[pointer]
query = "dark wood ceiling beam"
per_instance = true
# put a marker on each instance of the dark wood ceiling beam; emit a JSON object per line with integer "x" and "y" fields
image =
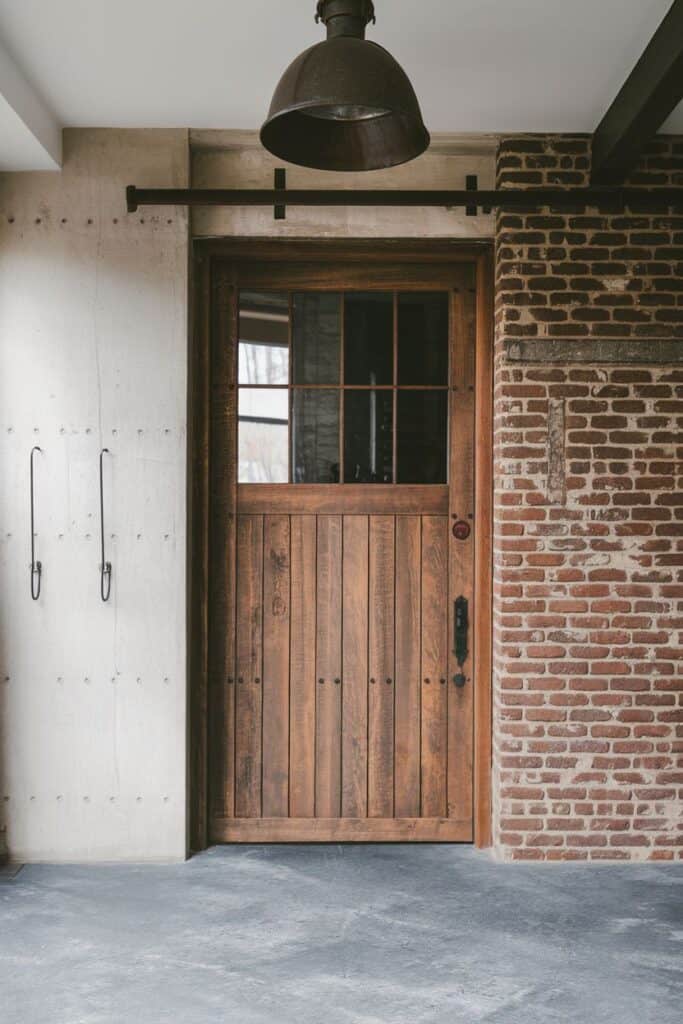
{"x": 648, "y": 96}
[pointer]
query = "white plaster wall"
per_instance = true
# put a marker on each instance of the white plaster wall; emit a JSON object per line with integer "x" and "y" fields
{"x": 93, "y": 353}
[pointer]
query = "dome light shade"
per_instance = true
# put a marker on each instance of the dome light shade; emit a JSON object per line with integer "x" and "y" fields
{"x": 345, "y": 104}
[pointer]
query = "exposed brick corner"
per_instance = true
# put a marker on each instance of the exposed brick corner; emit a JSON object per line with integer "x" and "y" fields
{"x": 588, "y": 590}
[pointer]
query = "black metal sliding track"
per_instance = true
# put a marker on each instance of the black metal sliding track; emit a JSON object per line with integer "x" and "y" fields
{"x": 509, "y": 199}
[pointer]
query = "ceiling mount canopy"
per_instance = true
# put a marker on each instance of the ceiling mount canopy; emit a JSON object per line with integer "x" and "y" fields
{"x": 345, "y": 104}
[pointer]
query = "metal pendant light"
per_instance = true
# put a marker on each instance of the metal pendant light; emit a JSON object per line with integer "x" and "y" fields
{"x": 345, "y": 104}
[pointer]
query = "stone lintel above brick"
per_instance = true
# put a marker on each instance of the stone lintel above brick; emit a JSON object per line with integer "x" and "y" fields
{"x": 594, "y": 351}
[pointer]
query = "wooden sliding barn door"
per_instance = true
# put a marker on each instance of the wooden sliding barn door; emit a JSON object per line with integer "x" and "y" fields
{"x": 341, "y": 562}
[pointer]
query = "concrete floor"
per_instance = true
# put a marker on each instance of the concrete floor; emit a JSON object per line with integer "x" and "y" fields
{"x": 342, "y": 935}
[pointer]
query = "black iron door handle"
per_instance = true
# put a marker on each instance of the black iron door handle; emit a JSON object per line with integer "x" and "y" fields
{"x": 461, "y": 631}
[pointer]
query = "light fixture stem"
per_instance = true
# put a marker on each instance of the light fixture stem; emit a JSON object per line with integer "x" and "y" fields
{"x": 345, "y": 17}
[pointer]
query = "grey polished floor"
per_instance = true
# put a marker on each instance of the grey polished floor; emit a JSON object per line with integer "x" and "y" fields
{"x": 342, "y": 935}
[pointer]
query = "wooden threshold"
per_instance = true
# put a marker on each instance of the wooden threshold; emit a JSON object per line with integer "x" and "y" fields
{"x": 342, "y": 499}
{"x": 340, "y": 830}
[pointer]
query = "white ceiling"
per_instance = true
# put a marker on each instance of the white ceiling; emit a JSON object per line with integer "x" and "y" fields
{"x": 477, "y": 65}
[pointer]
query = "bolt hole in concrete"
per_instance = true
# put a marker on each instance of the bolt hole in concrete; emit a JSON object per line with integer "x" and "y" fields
{"x": 343, "y": 934}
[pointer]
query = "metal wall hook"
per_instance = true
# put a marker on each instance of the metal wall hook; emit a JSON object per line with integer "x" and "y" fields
{"x": 36, "y": 567}
{"x": 105, "y": 567}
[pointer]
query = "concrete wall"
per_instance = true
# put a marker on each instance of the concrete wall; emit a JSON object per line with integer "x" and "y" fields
{"x": 93, "y": 342}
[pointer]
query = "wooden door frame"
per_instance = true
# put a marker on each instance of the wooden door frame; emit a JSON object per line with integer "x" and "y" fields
{"x": 205, "y": 254}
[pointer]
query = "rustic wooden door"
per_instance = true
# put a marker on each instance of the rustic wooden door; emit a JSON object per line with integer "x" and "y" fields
{"x": 341, "y": 552}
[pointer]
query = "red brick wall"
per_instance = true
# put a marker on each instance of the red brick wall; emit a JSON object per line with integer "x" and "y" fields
{"x": 588, "y": 603}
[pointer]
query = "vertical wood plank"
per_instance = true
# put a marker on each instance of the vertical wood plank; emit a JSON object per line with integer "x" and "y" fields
{"x": 434, "y": 719}
{"x": 199, "y": 507}
{"x": 355, "y": 662}
{"x": 276, "y": 601}
{"x": 461, "y": 558}
{"x": 302, "y": 667}
{"x": 407, "y": 683}
{"x": 328, "y": 668}
{"x": 223, "y": 500}
{"x": 381, "y": 668}
{"x": 483, "y": 585}
{"x": 248, "y": 696}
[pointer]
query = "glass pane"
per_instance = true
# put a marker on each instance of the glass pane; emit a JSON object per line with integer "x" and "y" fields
{"x": 264, "y": 338}
{"x": 369, "y": 338}
{"x": 422, "y": 442}
{"x": 316, "y": 336}
{"x": 368, "y": 437}
{"x": 263, "y": 425}
{"x": 423, "y": 338}
{"x": 315, "y": 436}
